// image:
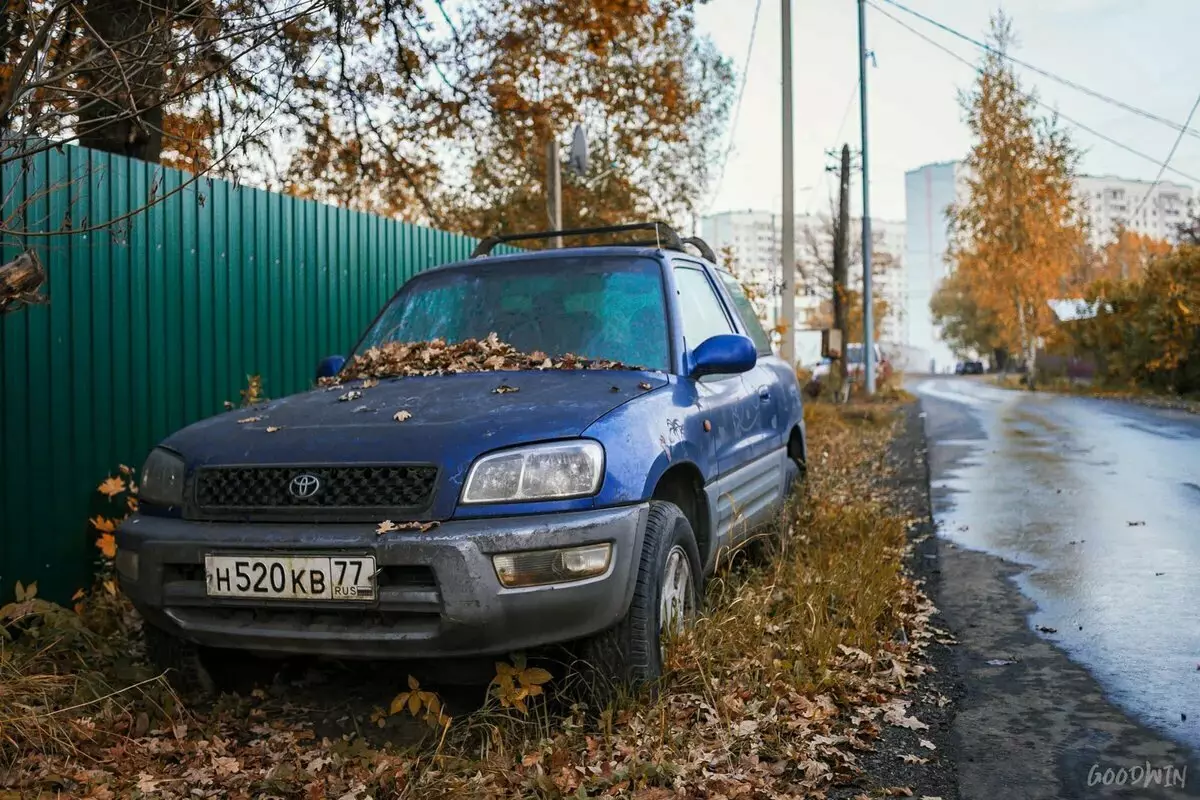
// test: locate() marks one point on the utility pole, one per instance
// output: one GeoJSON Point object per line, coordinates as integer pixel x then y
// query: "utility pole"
{"type": "Point", "coordinates": [788, 257]}
{"type": "Point", "coordinates": [841, 267]}
{"type": "Point", "coordinates": [868, 344]}
{"type": "Point", "coordinates": [554, 189]}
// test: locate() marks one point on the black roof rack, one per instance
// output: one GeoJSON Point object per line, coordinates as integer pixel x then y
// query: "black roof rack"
{"type": "Point", "coordinates": [664, 237]}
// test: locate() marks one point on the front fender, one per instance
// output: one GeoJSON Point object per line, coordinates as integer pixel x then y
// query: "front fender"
{"type": "Point", "coordinates": [645, 437]}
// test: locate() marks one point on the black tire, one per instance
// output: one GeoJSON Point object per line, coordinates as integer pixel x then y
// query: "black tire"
{"type": "Point", "coordinates": [190, 668]}
{"type": "Point", "coordinates": [630, 653]}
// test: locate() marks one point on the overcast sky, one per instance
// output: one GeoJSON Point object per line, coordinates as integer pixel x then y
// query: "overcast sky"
{"type": "Point", "coordinates": [1142, 53]}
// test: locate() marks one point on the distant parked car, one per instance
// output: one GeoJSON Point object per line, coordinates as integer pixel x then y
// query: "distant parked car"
{"type": "Point", "coordinates": [973, 368]}
{"type": "Point", "coordinates": [516, 497]}
{"type": "Point", "coordinates": [854, 364]}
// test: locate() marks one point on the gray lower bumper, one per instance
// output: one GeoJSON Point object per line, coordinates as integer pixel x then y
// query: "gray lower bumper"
{"type": "Point", "coordinates": [438, 593]}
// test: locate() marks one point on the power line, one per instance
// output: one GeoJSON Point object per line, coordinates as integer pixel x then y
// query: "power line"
{"type": "Point", "coordinates": [1141, 112]}
{"type": "Point", "coordinates": [1036, 101]}
{"type": "Point", "coordinates": [841, 127]}
{"type": "Point", "coordinates": [737, 107]}
{"type": "Point", "coordinates": [1166, 164]}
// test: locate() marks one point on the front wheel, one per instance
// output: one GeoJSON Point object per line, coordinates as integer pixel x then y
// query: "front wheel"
{"type": "Point", "coordinates": [665, 598]}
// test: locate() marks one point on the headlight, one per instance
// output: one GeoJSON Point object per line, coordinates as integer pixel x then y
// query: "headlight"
{"type": "Point", "coordinates": [162, 479]}
{"type": "Point", "coordinates": [537, 472]}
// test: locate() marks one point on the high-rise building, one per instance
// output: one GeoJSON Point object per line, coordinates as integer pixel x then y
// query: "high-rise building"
{"type": "Point", "coordinates": [928, 192]}
{"type": "Point", "coordinates": [1144, 207]}
{"type": "Point", "coordinates": [755, 238]}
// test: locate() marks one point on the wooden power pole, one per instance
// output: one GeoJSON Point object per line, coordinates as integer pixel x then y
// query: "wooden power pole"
{"type": "Point", "coordinates": [841, 263]}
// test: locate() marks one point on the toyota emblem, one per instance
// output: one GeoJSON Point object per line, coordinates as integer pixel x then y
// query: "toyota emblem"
{"type": "Point", "coordinates": [304, 485]}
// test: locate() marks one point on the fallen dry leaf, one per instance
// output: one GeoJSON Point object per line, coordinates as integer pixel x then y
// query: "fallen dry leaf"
{"type": "Point", "coordinates": [108, 545]}
{"type": "Point", "coordinates": [353, 395]}
{"type": "Point", "coordinates": [386, 526]}
{"type": "Point", "coordinates": [505, 389]}
{"type": "Point", "coordinates": [643, 385]}
{"type": "Point", "coordinates": [909, 758]}
{"type": "Point", "coordinates": [111, 487]}
{"type": "Point", "coordinates": [898, 791]}
{"type": "Point", "coordinates": [401, 416]}
{"type": "Point", "coordinates": [248, 419]}
{"type": "Point", "coordinates": [273, 428]}
{"type": "Point", "coordinates": [927, 744]}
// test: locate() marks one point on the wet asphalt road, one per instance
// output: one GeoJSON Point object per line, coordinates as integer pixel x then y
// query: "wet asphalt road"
{"type": "Point", "coordinates": [1099, 502]}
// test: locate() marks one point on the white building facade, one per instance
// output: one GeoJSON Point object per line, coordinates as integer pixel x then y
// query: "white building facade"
{"type": "Point", "coordinates": [755, 237]}
{"type": "Point", "coordinates": [929, 191]}
{"type": "Point", "coordinates": [1153, 210]}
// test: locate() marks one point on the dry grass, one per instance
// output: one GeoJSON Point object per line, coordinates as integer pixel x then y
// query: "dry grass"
{"type": "Point", "coordinates": [796, 664]}
{"type": "Point", "coordinates": [67, 679]}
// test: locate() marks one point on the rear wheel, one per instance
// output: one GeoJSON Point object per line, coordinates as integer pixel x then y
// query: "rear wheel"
{"type": "Point", "coordinates": [665, 598]}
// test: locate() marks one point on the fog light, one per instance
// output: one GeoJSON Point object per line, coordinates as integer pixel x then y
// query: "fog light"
{"type": "Point", "coordinates": [127, 564]}
{"type": "Point", "coordinates": [552, 566]}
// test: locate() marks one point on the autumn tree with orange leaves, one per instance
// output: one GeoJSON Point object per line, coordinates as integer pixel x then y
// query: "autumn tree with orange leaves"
{"type": "Point", "coordinates": [1017, 234]}
{"type": "Point", "coordinates": [1128, 256]}
{"type": "Point", "coordinates": [651, 93]}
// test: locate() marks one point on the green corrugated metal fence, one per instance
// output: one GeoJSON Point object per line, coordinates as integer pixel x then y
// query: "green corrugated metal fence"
{"type": "Point", "coordinates": [155, 322]}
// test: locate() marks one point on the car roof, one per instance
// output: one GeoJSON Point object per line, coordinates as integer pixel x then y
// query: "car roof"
{"type": "Point", "coordinates": [573, 252]}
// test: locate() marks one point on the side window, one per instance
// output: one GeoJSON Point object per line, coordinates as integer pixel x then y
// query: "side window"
{"type": "Point", "coordinates": [701, 309]}
{"type": "Point", "coordinates": [745, 310]}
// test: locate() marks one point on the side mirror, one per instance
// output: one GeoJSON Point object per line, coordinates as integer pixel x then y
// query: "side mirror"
{"type": "Point", "coordinates": [723, 354]}
{"type": "Point", "coordinates": [330, 366]}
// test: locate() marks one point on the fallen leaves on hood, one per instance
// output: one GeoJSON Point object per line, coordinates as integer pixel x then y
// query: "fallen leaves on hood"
{"type": "Point", "coordinates": [402, 416]}
{"type": "Point", "coordinates": [248, 419]}
{"type": "Point", "coordinates": [505, 389]}
{"type": "Point", "coordinates": [436, 357]}
{"type": "Point", "coordinates": [273, 428]}
{"type": "Point", "coordinates": [386, 527]}
{"type": "Point", "coordinates": [348, 396]}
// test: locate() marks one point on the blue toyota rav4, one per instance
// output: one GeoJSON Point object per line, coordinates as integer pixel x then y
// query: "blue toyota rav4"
{"type": "Point", "coordinates": [581, 506]}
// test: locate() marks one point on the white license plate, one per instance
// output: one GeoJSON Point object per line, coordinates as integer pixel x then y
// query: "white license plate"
{"type": "Point", "coordinates": [291, 577]}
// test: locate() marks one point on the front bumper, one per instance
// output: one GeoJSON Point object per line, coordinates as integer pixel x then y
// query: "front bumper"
{"type": "Point", "coordinates": [438, 594]}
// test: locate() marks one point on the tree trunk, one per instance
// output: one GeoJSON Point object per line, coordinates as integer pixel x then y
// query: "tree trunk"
{"type": "Point", "coordinates": [120, 110]}
{"type": "Point", "coordinates": [841, 269]}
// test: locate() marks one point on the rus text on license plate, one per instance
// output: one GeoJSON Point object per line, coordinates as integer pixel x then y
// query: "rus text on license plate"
{"type": "Point", "coordinates": [290, 577]}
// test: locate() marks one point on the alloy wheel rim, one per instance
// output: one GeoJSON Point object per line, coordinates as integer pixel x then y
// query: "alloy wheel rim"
{"type": "Point", "coordinates": [677, 598]}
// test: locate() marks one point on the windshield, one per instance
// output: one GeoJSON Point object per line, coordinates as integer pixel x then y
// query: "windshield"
{"type": "Point", "coordinates": [607, 307]}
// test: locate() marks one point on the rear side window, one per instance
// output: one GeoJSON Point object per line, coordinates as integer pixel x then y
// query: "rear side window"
{"type": "Point", "coordinates": [745, 310]}
{"type": "Point", "coordinates": [699, 307]}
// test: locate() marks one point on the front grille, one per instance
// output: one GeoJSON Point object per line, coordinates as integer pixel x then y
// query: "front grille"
{"type": "Point", "coordinates": [274, 488]}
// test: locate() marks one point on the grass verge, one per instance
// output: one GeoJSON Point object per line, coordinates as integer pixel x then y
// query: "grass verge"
{"type": "Point", "coordinates": [795, 667]}
{"type": "Point", "coordinates": [1060, 385]}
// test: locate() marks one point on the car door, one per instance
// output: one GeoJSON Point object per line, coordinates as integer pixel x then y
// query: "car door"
{"type": "Point", "coordinates": [769, 382]}
{"type": "Point", "coordinates": [762, 381]}
{"type": "Point", "coordinates": [736, 495]}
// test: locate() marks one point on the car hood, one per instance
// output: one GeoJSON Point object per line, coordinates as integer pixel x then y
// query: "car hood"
{"type": "Point", "coordinates": [451, 420]}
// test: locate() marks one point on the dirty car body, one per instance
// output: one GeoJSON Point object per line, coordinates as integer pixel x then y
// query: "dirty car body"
{"type": "Point", "coordinates": [258, 529]}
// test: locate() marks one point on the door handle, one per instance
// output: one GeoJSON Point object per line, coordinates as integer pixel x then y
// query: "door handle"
{"type": "Point", "coordinates": [764, 393]}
